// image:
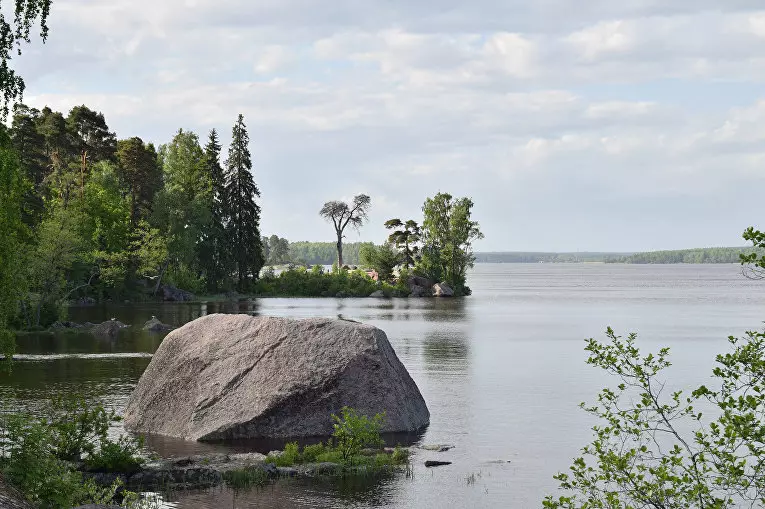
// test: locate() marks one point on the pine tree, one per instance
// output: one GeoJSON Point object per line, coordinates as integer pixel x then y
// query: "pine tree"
{"type": "Point", "coordinates": [214, 254]}
{"type": "Point", "coordinates": [243, 228]}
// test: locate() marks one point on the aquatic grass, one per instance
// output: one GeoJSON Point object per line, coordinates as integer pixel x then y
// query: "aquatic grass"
{"type": "Point", "coordinates": [245, 478]}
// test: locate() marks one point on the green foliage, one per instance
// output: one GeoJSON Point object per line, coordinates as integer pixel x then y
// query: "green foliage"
{"type": "Point", "coordinates": [754, 262]}
{"type": "Point", "coordinates": [26, 14]}
{"type": "Point", "coordinates": [448, 233]}
{"type": "Point", "coordinates": [77, 426]}
{"type": "Point", "coordinates": [12, 230]}
{"type": "Point", "coordinates": [657, 450]}
{"type": "Point", "coordinates": [353, 432]}
{"type": "Point", "coordinates": [405, 237]}
{"type": "Point", "coordinates": [30, 460]}
{"type": "Point", "coordinates": [383, 259]}
{"type": "Point", "coordinates": [244, 226]}
{"type": "Point", "coordinates": [245, 478]}
{"type": "Point", "coordinates": [299, 282]}
{"type": "Point", "coordinates": [116, 456]}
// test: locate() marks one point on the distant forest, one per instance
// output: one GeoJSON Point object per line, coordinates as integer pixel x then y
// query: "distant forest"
{"type": "Point", "coordinates": [533, 257]}
{"type": "Point", "coordinates": [701, 255]}
{"type": "Point", "coordinates": [705, 255]}
{"type": "Point", "coordinates": [324, 253]}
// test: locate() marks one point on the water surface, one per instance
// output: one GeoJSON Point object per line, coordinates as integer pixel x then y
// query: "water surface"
{"type": "Point", "coordinates": [502, 371]}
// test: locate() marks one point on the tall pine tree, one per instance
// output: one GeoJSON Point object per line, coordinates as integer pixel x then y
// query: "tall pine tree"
{"type": "Point", "coordinates": [215, 259]}
{"type": "Point", "coordinates": [243, 227]}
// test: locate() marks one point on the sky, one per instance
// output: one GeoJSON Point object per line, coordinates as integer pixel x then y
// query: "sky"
{"type": "Point", "coordinates": [574, 125]}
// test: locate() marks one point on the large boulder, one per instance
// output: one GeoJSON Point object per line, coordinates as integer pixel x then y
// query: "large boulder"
{"type": "Point", "coordinates": [226, 377]}
{"type": "Point", "coordinates": [420, 286]}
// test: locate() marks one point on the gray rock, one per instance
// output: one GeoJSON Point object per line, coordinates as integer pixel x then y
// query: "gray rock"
{"type": "Point", "coordinates": [155, 325]}
{"type": "Point", "coordinates": [12, 499]}
{"type": "Point", "coordinates": [173, 294]}
{"type": "Point", "coordinates": [109, 328]}
{"type": "Point", "coordinates": [442, 290]}
{"type": "Point", "coordinates": [434, 463]}
{"type": "Point", "coordinates": [226, 377]}
{"type": "Point", "coordinates": [379, 294]}
{"type": "Point", "coordinates": [287, 471]}
{"type": "Point", "coordinates": [97, 506]}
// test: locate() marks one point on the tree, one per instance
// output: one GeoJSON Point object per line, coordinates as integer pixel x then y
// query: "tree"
{"type": "Point", "coordinates": [91, 138]}
{"type": "Point", "coordinates": [11, 231]}
{"type": "Point", "coordinates": [139, 171]}
{"type": "Point", "coordinates": [447, 235]}
{"type": "Point", "coordinates": [244, 222]}
{"type": "Point", "coordinates": [277, 249]}
{"type": "Point", "coordinates": [754, 263]}
{"type": "Point", "coordinates": [383, 259]}
{"type": "Point", "coordinates": [405, 238]}
{"type": "Point", "coordinates": [30, 148]}
{"type": "Point", "coordinates": [655, 449]}
{"type": "Point", "coordinates": [214, 254]}
{"type": "Point", "coordinates": [183, 209]}
{"type": "Point", "coordinates": [342, 214]}
{"type": "Point", "coordinates": [12, 35]}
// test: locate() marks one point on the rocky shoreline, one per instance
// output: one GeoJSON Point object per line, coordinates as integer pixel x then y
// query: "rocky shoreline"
{"type": "Point", "coordinates": [209, 471]}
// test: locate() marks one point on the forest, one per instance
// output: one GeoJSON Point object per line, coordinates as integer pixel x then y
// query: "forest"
{"type": "Point", "coordinates": [701, 255]}
{"type": "Point", "coordinates": [105, 218]}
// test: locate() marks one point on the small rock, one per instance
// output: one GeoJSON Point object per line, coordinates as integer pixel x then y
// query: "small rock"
{"type": "Point", "coordinates": [275, 454]}
{"type": "Point", "coordinates": [379, 294]}
{"type": "Point", "coordinates": [434, 463]}
{"type": "Point", "coordinates": [287, 471]}
{"type": "Point", "coordinates": [155, 325]}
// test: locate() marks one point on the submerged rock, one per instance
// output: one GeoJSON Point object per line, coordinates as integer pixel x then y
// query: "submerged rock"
{"type": "Point", "coordinates": [225, 377]}
{"type": "Point", "coordinates": [436, 447]}
{"type": "Point", "coordinates": [434, 463]}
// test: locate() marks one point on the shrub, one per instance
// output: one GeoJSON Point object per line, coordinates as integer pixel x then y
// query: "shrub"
{"type": "Point", "coordinates": [120, 456]}
{"type": "Point", "coordinates": [354, 432]}
{"type": "Point", "coordinates": [312, 452]}
{"type": "Point", "coordinates": [289, 456]}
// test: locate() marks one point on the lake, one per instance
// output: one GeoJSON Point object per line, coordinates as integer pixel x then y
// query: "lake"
{"type": "Point", "coordinates": [502, 371]}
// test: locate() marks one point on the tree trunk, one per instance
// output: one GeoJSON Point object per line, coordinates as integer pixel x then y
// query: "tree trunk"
{"type": "Point", "coordinates": [159, 277]}
{"type": "Point", "coordinates": [339, 251]}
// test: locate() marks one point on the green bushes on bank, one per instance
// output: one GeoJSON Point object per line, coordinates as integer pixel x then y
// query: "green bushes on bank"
{"type": "Point", "coordinates": [39, 456]}
{"type": "Point", "coordinates": [316, 282]}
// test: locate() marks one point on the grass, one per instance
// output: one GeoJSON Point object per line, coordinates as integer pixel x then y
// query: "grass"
{"type": "Point", "coordinates": [327, 453]}
{"type": "Point", "coordinates": [245, 478]}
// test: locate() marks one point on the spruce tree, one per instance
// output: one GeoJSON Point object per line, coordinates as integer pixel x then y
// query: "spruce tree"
{"type": "Point", "coordinates": [215, 257]}
{"type": "Point", "coordinates": [243, 228]}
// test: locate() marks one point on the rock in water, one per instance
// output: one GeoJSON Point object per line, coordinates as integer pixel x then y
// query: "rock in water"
{"type": "Point", "coordinates": [226, 377]}
{"type": "Point", "coordinates": [442, 290]}
{"type": "Point", "coordinates": [155, 325]}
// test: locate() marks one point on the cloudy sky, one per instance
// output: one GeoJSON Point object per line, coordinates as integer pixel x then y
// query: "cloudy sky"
{"type": "Point", "coordinates": [573, 124]}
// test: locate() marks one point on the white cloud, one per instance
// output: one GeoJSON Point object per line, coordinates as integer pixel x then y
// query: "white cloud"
{"type": "Point", "coordinates": [520, 104]}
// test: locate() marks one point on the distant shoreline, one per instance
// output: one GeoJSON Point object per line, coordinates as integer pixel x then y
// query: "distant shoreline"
{"type": "Point", "coordinates": [711, 255]}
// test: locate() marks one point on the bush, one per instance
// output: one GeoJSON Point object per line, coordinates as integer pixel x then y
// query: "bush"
{"type": "Point", "coordinates": [312, 452]}
{"type": "Point", "coordinates": [354, 432]}
{"type": "Point", "coordinates": [36, 453]}
{"type": "Point", "coordinates": [120, 456]}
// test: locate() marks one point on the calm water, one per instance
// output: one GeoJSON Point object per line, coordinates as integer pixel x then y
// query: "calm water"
{"type": "Point", "coordinates": [502, 371]}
